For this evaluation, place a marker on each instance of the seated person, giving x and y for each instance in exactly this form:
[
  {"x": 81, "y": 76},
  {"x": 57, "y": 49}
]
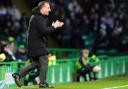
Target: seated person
[
  {"x": 6, "y": 50},
  {"x": 83, "y": 66},
  {"x": 87, "y": 65},
  {"x": 21, "y": 53}
]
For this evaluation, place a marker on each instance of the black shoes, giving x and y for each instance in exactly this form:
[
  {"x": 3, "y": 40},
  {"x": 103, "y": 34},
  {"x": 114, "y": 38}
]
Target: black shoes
[
  {"x": 17, "y": 79},
  {"x": 45, "y": 85}
]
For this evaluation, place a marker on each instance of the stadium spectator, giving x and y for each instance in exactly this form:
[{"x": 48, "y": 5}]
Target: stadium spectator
[
  {"x": 8, "y": 48},
  {"x": 8, "y": 53},
  {"x": 21, "y": 53}
]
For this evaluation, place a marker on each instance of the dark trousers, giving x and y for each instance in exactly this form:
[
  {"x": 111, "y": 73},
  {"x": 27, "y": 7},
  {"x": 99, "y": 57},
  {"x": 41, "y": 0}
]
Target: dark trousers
[
  {"x": 41, "y": 63},
  {"x": 87, "y": 69}
]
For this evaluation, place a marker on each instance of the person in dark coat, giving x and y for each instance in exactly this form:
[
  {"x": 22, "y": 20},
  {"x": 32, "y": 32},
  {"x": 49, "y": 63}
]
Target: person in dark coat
[
  {"x": 83, "y": 66},
  {"x": 37, "y": 41}
]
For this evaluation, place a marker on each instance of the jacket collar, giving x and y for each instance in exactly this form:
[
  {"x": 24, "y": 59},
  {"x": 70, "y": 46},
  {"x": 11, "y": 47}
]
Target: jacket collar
[{"x": 35, "y": 11}]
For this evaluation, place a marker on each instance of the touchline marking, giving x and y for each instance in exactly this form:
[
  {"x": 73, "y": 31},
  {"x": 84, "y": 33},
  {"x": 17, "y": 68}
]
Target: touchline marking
[{"x": 116, "y": 87}]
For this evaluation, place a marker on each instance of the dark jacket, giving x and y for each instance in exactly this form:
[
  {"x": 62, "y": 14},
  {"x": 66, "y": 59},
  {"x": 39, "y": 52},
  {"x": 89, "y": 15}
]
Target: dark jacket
[{"x": 37, "y": 34}]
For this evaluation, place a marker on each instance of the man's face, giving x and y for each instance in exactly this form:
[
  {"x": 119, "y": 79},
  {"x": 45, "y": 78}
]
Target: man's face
[{"x": 45, "y": 10}]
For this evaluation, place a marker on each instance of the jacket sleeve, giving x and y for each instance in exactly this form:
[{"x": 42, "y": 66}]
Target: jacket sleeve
[
  {"x": 81, "y": 62},
  {"x": 42, "y": 26}
]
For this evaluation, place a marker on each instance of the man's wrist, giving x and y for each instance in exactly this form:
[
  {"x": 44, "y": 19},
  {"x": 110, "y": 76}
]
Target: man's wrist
[{"x": 54, "y": 27}]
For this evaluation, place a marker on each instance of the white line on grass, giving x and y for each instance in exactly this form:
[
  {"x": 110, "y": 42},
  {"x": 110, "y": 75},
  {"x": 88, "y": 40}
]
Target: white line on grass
[{"x": 116, "y": 87}]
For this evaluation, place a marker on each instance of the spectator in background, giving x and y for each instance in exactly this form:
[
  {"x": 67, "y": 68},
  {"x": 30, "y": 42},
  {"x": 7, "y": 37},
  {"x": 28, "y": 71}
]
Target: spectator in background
[
  {"x": 66, "y": 34},
  {"x": 21, "y": 53},
  {"x": 2, "y": 55},
  {"x": 116, "y": 35},
  {"x": 77, "y": 41},
  {"x": 8, "y": 53},
  {"x": 74, "y": 7},
  {"x": 8, "y": 48},
  {"x": 52, "y": 59},
  {"x": 3, "y": 10},
  {"x": 24, "y": 22},
  {"x": 14, "y": 12},
  {"x": 87, "y": 65},
  {"x": 83, "y": 66}
]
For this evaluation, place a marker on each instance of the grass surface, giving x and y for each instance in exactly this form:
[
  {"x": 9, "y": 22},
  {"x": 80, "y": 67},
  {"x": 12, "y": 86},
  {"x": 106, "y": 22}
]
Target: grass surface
[{"x": 108, "y": 83}]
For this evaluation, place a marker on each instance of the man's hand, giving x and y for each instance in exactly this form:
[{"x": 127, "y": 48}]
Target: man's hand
[{"x": 57, "y": 24}]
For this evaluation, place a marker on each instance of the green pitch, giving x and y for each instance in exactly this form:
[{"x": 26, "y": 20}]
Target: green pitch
[{"x": 108, "y": 83}]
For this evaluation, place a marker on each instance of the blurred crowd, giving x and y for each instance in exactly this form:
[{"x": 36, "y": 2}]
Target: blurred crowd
[
  {"x": 92, "y": 24},
  {"x": 13, "y": 27}
]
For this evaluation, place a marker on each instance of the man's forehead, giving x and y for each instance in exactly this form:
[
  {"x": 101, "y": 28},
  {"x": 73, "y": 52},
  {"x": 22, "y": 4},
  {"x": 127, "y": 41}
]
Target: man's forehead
[{"x": 47, "y": 4}]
